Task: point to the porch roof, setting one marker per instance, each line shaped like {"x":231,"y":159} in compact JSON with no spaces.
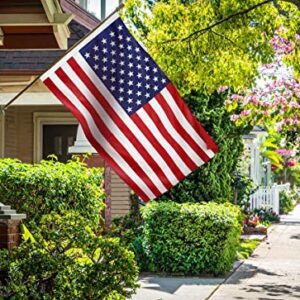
{"x":35,"y":62}
{"x":34,"y":98}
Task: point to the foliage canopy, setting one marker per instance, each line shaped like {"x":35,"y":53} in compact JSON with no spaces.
{"x":203,"y":45}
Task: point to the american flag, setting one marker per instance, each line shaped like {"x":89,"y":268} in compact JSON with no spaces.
{"x":129,"y":110}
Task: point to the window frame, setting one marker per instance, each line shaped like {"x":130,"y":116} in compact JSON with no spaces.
{"x":47,"y":118}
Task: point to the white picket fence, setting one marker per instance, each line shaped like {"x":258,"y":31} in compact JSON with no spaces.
{"x":268,"y":197}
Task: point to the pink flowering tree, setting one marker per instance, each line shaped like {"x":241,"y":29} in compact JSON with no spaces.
{"x":273,"y":105}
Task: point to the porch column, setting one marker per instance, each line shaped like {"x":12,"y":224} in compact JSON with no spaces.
{"x":9,"y":227}
{"x":81,"y":147}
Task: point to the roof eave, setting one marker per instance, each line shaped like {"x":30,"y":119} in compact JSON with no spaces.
{"x":82,"y":16}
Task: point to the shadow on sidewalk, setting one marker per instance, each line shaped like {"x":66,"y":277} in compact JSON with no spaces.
{"x":274,"y":290}
{"x":171,"y":284}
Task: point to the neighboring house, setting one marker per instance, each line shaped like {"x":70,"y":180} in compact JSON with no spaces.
{"x":267,"y":194}
{"x":33,"y":35}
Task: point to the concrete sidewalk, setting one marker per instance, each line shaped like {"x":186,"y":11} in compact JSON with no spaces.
{"x":180,"y":288}
{"x":273,"y":270}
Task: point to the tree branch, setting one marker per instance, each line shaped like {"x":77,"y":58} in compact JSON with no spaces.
{"x":239,"y":13}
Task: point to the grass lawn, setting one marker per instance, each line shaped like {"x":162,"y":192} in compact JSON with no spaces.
{"x":246,"y":248}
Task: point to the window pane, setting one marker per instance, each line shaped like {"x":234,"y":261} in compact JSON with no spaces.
{"x":111,"y":5}
{"x":94,"y":7}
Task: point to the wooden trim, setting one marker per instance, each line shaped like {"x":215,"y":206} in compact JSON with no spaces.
{"x":13,"y":81}
{"x":82,"y":16}
{"x":21,"y":72}
{"x":46,"y":118}
{"x":30,"y":41}
{"x":23,"y":19}
{"x":56,"y":17}
{"x":34,"y":19}
{"x":1,"y":37}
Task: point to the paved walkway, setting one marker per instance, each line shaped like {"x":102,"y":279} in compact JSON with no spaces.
{"x":273,"y":271}
{"x":177,"y":288}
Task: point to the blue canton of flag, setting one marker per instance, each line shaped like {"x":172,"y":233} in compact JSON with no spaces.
{"x":124,"y":66}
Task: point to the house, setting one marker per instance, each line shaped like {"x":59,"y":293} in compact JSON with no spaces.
{"x":267,"y":193}
{"x":33,"y":35}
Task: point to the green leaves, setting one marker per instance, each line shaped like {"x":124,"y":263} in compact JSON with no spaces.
{"x":275,"y":158}
{"x":26,"y":234}
{"x":190,"y":238}
{"x":68,"y":261}
{"x":51,"y":186}
{"x":199,"y":58}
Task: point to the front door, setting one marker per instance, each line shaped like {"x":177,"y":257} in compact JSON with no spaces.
{"x":57,"y":139}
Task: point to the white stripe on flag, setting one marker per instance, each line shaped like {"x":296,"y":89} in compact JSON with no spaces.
{"x":99,"y":137}
{"x":170,"y":128}
{"x":114,"y":129}
{"x":185,"y":123}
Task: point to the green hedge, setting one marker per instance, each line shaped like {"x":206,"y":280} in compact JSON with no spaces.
{"x":65,"y":260}
{"x":51,"y":186}
{"x":191,"y":238}
{"x":66,"y":255}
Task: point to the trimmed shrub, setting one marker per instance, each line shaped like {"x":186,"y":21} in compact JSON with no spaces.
{"x":51,"y":186}
{"x":191,"y":238}
{"x":66,"y":256}
{"x":65,"y":259}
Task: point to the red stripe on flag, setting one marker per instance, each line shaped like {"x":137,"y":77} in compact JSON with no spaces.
{"x":160,"y":149}
{"x":118,"y":121}
{"x":177,"y":125}
{"x":191,"y":118}
{"x":49,"y":83}
{"x":107,"y":134}
{"x":160,"y":126}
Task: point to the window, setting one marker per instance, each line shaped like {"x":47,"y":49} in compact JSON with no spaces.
{"x":54,"y":132}
{"x":99,"y":8}
{"x":57,"y":139}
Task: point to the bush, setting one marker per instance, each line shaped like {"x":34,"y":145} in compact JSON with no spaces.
{"x":191,"y":238}
{"x":51,"y":186}
{"x":66,"y":260}
{"x":286,"y":202}
{"x":66,"y":257}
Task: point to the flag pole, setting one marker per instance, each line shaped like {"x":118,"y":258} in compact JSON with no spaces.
{"x":5,"y":106}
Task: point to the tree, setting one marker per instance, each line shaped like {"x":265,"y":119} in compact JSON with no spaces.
{"x":203,"y":45}
{"x":274,"y":106}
